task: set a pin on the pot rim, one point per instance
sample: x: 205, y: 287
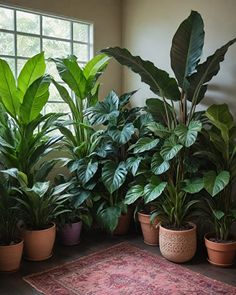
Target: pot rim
x: 13, y: 245
x: 53, y: 225
x: 194, y: 226
x: 144, y: 214
x: 206, y: 236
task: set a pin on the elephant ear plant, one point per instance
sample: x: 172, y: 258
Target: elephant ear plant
x: 24, y: 131
x: 177, y: 128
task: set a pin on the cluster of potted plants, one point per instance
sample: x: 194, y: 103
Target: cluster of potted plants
x: 166, y: 162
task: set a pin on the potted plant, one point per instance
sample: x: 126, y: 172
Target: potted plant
x: 117, y: 135
x: 175, y: 108
x: 11, y: 243
x: 40, y: 205
x: 219, y: 150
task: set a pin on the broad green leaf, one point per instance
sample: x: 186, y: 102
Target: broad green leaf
x: 71, y: 73
x: 125, y: 98
x: 144, y: 144
x: 205, y: 72
x: 158, y: 80
x: 121, y: 136
x: 158, y: 165
x: 134, y: 193
x: 170, y: 149
x: 158, y: 109
x: 8, y: 92
x: 33, y: 69
x: 105, y: 110
x: 40, y: 188
x: 109, y: 217
x: 158, y: 129
x: 132, y: 164
x: 95, y: 65
x: 86, y: 170
x: 188, y: 134
x: 187, y: 47
x: 193, y: 186
x: 35, y: 99
x: 218, y: 214
x: 113, y: 175
x: 152, y: 191
x: 80, y: 198
x: 214, y: 183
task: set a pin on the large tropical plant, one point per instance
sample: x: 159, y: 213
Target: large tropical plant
x: 24, y: 132
x: 175, y: 111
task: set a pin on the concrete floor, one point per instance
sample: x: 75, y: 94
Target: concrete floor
x: 13, y: 284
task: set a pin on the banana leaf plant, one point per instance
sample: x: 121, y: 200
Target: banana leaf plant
x: 24, y: 131
x: 177, y: 121
x: 118, y: 133
x: 220, y: 153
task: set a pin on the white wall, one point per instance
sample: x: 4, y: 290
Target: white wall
x: 148, y: 28
x: 106, y: 16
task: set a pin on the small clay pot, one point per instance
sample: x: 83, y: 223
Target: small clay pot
x: 123, y: 223
x: 220, y: 254
x: 178, y: 245
x: 10, y: 257
x: 150, y: 231
x: 38, y: 244
x: 69, y: 234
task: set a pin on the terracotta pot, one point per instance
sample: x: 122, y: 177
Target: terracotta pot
x: 38, y: 244
x: 70, y: 233
x: 220, y: 254
x: 150, y: 231
x: 178, y: 245
x: 10, y: 257
x: 123, y: 223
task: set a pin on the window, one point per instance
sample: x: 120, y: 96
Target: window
x: 25, y: 33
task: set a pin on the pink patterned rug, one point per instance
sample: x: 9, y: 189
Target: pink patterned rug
x: 125, y: 270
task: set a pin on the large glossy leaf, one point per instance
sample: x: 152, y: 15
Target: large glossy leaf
x: 40, y: 188
x: 144, y: 144
x: 158, y: 165
x: 33, y: 69
x: 113, y: 175
x: 109, y: 217
x: 35, y: 99
x: 105, y: 110
x: 95, y: 65
x: 122, y: 136
x: 187, y: 47
x: 158, y: 129
x: 72, y: 74
x: 158, y: 110
x: 125, y: 98
x: 206, y: 71
x: 8, y: 92
x: 132, y: 164
x: 193, y: 186
x: 170, y: 149
x: 86, y: 170
x: 158, y: 80
x: 152, y: 191
x: 134, y: 193
x: 214, y: 183
x: 187, y: 135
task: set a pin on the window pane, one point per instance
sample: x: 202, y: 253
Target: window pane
x: 54, y: 94
x: 11, y: 63
x: 80, y: 32
x: 27, y: 46
x: 52, y: 70
x: 20, y: 63
x: 6, y: 19
x: 80, y: 51
x: 28, y: 22
x: 56, y: 107
x: 54, y: 48
x: 56, y: 27
x: 7, y: 44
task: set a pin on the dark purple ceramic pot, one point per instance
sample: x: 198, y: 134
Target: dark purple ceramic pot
x: 70, y: 234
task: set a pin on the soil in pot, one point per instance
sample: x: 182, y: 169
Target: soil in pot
x: 123, y: 223
x: 38, y: 244
x: 178, y: 245
x: 150, y: 231
x: 10, y: 257
x: 220, y: 253
x: 69, y: 234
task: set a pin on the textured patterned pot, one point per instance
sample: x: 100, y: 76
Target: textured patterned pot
x: 10, y: 257
x: 220, y: 254
x: 70, y: 234
x: 123, y: 223
x: 150, y: 231
x: 178, y: 246
x: 38, y: 244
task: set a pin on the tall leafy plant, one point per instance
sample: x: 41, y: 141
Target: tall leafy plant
x: 175, y: 112
x: 24, y: 134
